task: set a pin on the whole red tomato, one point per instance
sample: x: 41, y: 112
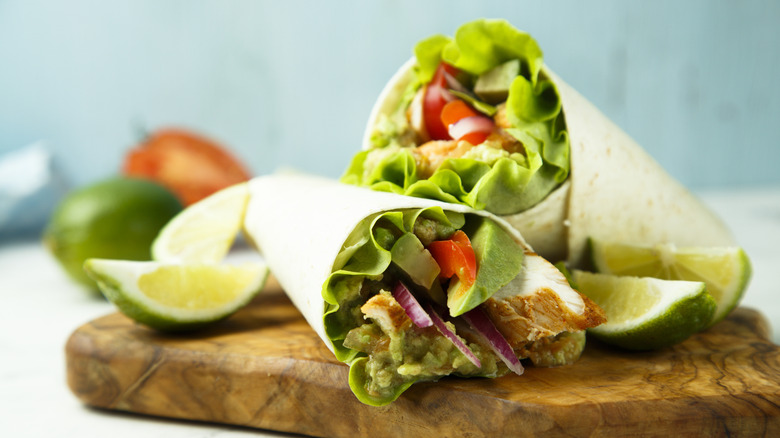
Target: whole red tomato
x: 191, y: 166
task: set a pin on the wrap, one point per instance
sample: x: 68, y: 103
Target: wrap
x: 576, y: 175
x: 350, y: 258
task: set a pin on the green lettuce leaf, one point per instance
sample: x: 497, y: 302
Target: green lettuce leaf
x: 428, y: 53
x: 506, y: 186
x: 357, y: 379
x: 483, y: 44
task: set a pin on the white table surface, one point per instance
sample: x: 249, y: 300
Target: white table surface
x: 41, y: 308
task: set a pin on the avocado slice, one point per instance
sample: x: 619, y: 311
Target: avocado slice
x: 499, y: 260
x: 493, y: 85
x: 416, y: 261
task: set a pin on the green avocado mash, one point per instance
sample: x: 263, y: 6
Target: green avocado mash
x: 501, y: 76
x: 499, y: 259
x: 388, y: 354
x: 397, y: 359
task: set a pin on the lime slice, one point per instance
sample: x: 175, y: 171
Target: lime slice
x: 725, y: 270
x: 204, y: 231
x: 173, y: 297
x: 646, y: 313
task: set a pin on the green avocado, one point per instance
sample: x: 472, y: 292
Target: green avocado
x: 416, y: 261
x: 493, y: 85
x: 499, y: 260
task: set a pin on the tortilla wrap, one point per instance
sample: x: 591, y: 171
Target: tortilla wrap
x: 303, y: 225
x: 300, y: 223
x: 615, y: 190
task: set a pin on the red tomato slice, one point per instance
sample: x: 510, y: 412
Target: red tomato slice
x: 435, y: 98
x: 475, y: 138
x: 474, y: 129
x: 461, y: 238
x: 464, y: 123
x: 456, y: 257
x: 456, y: 110
x: 191, y: 166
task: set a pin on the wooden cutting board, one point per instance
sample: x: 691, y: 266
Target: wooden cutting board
x: 265, y: 368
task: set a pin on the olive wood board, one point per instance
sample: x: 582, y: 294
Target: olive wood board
x: 265, y: 368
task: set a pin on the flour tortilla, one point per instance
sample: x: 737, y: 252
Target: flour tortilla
x: 615, y: 191
x: 300, y: 223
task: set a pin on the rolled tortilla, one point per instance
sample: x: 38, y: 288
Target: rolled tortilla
x: 300, y: 223
x: 303, y: 226
x: 615, y: 190
x: 618, y: 192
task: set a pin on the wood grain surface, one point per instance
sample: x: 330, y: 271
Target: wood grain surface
x: 265, y: 368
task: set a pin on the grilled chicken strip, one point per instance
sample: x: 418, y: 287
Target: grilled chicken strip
x: 539, y: 303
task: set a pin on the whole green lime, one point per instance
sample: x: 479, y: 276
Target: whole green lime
x: 118, y: 218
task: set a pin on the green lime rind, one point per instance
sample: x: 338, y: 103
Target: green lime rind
x: 662, y: 261
x: 731, y: 300
x: 141, y: 312
x: 659, y: 327
x: 682, y: 320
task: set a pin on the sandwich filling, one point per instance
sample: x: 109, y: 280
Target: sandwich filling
x: 419, y: 294
x: 476, y: 121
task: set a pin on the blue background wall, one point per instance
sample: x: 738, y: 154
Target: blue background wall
x: 290, y: 83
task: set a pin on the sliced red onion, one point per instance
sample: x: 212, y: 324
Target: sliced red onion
x: 411, y: 306
x: 455, y: 84
x: 467, y: 125
x: 436, y: 91
x: 449, y: 334
x: 446, y: 95
x: 481, y: 323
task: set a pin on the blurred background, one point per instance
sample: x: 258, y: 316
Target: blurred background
x: 291, y: 83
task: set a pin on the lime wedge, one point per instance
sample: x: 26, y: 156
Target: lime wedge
x: 725, y: 270
x: 172, y: 297
x: 646, y: 313
x: 204, y: 231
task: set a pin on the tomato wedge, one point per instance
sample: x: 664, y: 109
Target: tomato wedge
x: 464, y: 123
x: 435, y: 98
x: 456, y: 257
x: 189, y: 165
x: 474, y: 130
x: 456, y: 110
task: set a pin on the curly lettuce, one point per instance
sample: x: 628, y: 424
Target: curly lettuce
x: 502, y: 185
